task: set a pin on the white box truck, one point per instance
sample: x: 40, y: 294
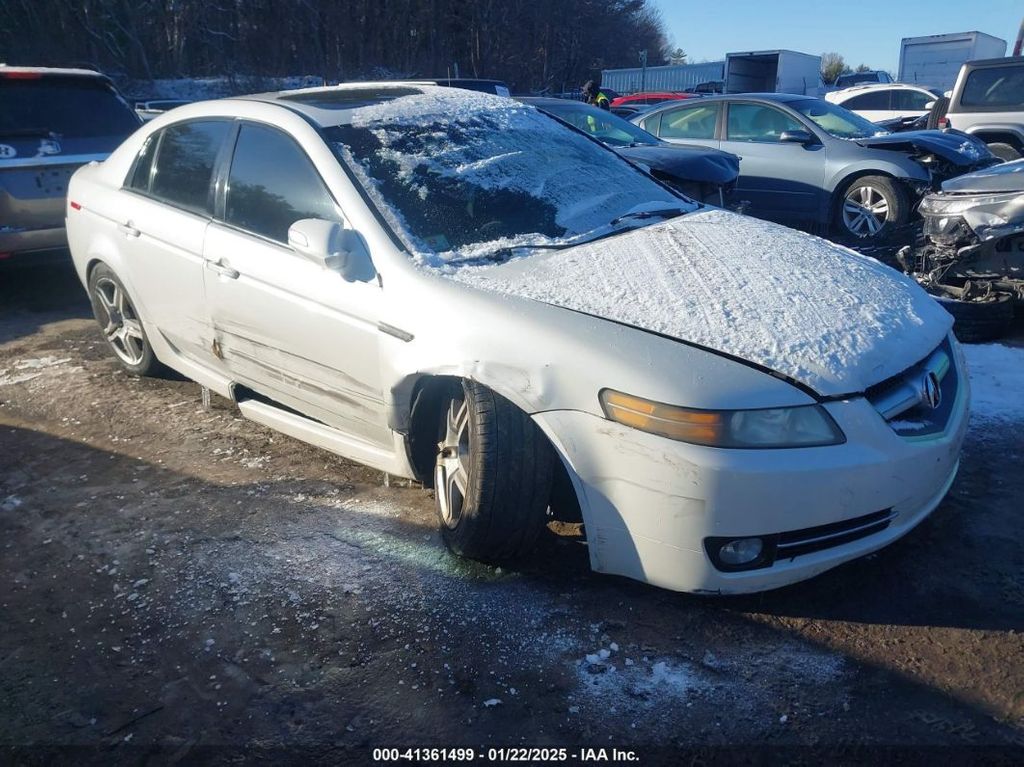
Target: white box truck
x: 934, y: 61
x: 773, y: 72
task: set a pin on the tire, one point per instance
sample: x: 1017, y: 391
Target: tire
x: 1006, y: 152
x: 937, y: 112
x: 870, y: 208
x: 493, y: 475
x: 980, y: 321
x: 119, y: 321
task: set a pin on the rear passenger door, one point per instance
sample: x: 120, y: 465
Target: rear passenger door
x: 780, y: 181
x: 167, y: 206
x: 697, y: 124
x: 285, y: 326
x: 874, y: 105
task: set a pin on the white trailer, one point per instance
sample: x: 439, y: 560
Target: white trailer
x: 933, y: 61
x: 777, y: 71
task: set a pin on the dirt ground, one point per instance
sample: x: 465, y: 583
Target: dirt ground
x: 175, y: 578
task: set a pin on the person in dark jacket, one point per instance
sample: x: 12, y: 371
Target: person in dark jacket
x: 592, y: 95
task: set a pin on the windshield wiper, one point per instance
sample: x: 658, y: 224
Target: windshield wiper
x: 641, y: 215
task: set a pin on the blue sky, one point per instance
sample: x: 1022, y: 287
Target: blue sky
x: 867, y: 31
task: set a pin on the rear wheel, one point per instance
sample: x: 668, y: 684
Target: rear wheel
x: 120, y: 323
x: 492, y: 477
x: 871, y: 207
x: 1003, y: 151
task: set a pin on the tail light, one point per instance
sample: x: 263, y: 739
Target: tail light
x: 943, y: 122
x: 22, y: 75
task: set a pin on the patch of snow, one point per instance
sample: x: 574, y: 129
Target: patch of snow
x: 490, y: 703
x: 819, y: 313
x: 997, y: 381
x: 908, y: 425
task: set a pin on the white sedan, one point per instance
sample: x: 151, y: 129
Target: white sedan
x: 453, y: 287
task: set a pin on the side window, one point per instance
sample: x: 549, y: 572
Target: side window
x: 184, y: 163
x: 139, y: 178
x: 690, y: 122
x: 273, y: 184
x: 995, y: 87
x: 911, y: 100
x: 754, y: 122
x: 874, y: 100
x: 652, y: 124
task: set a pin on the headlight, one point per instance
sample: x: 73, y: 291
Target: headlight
x: 951, y: 206
x: 803, y: 426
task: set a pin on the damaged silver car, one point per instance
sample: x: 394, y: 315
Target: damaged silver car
x: 972, y: 254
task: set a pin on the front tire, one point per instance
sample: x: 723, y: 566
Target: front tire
x: 493, y: 475
x: 871, y: 207
x: 122, y: 328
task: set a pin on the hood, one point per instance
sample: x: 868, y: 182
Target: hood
x: 952, y: 146
x: 691, y: 163
x: 829, y: 318
x: 1005, y: 177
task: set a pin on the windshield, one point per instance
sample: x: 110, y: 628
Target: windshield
x: 833, y: 119
x: 77, y: 107
x: 602, y: 125
x: 461, y: 175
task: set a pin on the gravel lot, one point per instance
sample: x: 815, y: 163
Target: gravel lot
x: 177, y: 578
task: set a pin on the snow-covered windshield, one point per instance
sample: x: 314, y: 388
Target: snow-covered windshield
x: 834, y: 119
x: 463, y: 175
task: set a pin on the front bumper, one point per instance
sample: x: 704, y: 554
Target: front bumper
x: 650, y: 503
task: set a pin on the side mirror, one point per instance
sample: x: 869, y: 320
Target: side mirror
x: 928, y: 106
x: 796, y: 137
x: 330, y: 245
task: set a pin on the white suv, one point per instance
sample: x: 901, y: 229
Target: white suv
x: 885, y: 101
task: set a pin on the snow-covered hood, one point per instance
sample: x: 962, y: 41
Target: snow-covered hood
x: 1005, y: 177
x: 689, y: 163
x: 829, y: 318
x: 952, y: 146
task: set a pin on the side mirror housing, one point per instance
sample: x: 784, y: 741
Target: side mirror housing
x: 796, y: 137
x: 330, y: 245
x: 929, y: 105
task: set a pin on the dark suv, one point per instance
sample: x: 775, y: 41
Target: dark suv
x: 52, y: 121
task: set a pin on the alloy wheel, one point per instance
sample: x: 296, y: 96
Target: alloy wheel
x: 451, y: 474
x: 865, y: 211
x: 121, y: 324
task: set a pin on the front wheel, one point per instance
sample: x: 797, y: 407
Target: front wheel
x: 492, y: 477
x: 871, y: 207
x: 120, y: 322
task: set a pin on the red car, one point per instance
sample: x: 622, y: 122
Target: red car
x: 654, y: 97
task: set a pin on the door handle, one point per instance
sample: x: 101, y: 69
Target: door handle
x: 128, y: 230
x: 221, y: 267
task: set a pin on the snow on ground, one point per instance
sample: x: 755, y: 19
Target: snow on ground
x: 794, y: 303
x: 997, y: 381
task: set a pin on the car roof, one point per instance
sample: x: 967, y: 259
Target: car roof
x: 778, y: 98
x: 995, y: 62
x: 331, y: 105
x: 543, y: 101
x: 6, y: 69
x: 878, y: 86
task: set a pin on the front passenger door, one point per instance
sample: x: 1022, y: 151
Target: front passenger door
x: 781, y: 181
x: 287, y: 327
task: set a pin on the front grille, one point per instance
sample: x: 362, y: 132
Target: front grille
x: 901, y: 400
x: 795, y: 543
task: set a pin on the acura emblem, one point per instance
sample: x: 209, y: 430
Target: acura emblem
x: 931, y: 394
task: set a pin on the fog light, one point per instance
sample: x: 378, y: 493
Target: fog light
x: 742, y: 551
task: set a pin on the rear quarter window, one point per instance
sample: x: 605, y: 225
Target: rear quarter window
x: 994, y: 88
